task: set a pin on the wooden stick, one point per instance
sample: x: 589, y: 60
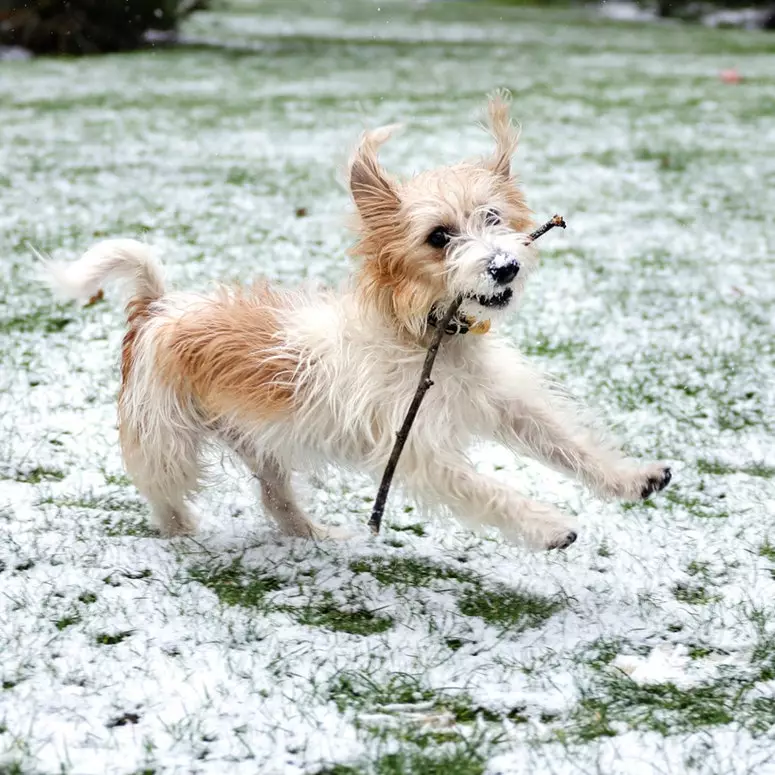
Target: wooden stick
x: 425, y: 384
x: 375, y: 521
x: 556, y: 220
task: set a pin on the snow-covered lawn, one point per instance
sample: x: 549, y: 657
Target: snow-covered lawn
x: 648, y: 646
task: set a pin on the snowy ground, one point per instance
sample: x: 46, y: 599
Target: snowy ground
x: 647, y: 647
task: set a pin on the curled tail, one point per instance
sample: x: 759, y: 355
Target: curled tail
x: 115, y: 259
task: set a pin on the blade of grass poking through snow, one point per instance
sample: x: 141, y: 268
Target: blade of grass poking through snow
x: 425, y: 384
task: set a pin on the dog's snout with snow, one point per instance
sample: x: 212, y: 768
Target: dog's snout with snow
x: 503, y: 267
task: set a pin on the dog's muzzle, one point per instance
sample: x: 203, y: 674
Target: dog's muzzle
x: 503, y: 268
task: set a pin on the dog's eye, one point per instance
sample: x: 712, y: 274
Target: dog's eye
x: 493, y: 218
x: 438, y: 238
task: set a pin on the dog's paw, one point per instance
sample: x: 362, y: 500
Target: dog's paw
x: 633, y: 483
x: 541, y: 527
x: 331, y: 533
x: 175, y: 523
x: 656, y: 480
x: 563, y: 541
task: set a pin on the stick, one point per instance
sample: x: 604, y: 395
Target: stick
x: 557, y: 220
x: 425, y: 383
x: 423, y: 387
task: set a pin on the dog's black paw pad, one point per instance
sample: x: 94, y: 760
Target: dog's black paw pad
x: 657, y: 482
x: 565, y: 541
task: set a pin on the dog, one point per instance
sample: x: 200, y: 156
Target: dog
x: 292, y: 380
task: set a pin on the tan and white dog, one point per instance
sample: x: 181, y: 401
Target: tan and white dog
x: 291, y: 380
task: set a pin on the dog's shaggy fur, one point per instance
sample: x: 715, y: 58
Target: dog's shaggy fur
x: 289, y: 380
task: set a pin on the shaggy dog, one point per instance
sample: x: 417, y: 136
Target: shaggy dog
x: 291, y: 380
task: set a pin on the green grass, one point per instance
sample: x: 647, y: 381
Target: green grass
x: 767, y: 550
x: 357, y: 689
x: 67, y: 621
x: 406, y: 571
x: 463, y: 759
x: 327, y: 614
x: 115, y: 526
x: 39, y: 321
x: 119, y: 480
x: 456, y: 748
x: 611, y: 700
x: 693, y: 594
x: 236, y: 586
x: 40, y: 474
x: 717, y: 468
x: 662, y: 708
x: 111, y: 639
x: 509, y: 609
x: 416, y: 528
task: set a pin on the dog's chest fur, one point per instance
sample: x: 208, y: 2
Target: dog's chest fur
x: 358, y: 378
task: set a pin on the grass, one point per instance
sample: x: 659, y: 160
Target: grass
x: 236, y: 585
x: 506, y: 608
x: 461, y: 760
x: 408, y: 571
x: 40, y: 321
x: 357, y: 689
x: 614, y: 702
x: 431, y: 648
x: 330, y: 616
x: 510, y: 609
x: 67, y: 621
x: 456, y: 747
x: 662, y: 708
x: 767, y: 550
x: 717, y: 468
x: 111, y: 639
x: 40, y: 474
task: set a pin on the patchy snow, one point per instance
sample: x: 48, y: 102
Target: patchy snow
x: 625, y: 11
x: 656, y: 306
x: 664, y: 664
x: 750, y: 18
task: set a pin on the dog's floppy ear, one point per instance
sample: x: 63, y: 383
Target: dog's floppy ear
x: 504, y: 132
x: 374, y: 191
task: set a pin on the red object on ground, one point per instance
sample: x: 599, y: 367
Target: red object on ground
x: 730, y: 76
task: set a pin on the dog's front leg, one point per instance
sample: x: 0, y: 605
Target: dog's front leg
x: 436, y: 476
x: 547, y: 428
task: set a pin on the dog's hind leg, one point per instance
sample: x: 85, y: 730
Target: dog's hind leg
x: 279, y: 499
x: 165, y: 468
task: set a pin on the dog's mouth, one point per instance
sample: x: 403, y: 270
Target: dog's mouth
x: 496, y: 301
x: 462, y: 324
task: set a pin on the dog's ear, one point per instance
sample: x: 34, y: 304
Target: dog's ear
x: 374, y: 191
x: 504, y: 132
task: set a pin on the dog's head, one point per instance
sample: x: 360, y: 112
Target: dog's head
x: 454, y: 230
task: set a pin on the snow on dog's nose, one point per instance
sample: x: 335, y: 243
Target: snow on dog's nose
x: 503, y: 267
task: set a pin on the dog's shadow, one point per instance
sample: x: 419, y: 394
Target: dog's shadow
x: 363, y: 586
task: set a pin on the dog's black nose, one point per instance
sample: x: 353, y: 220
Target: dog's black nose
x: 503, y: 270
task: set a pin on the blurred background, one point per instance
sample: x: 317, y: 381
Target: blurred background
x: 92, y: 26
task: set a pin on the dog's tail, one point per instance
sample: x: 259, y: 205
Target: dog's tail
x: 115, y: 259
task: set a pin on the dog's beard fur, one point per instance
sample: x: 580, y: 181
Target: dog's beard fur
x: 289, y: 379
